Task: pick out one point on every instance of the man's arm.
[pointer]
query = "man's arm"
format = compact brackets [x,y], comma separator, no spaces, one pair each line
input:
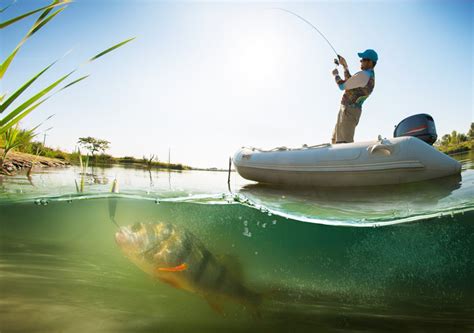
[347,74]
[343,62]
[339,81]
[360,79]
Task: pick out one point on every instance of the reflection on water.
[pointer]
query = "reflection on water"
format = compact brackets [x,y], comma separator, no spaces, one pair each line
[359,204]
[61,269]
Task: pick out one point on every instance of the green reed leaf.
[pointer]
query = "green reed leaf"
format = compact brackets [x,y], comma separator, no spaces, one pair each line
[41,23]
[111,49]
[5,127]
[33,99]
[5,8]
[18,18]
[47,11]
[74,82]
[20,90]
[37,26]
[6,63]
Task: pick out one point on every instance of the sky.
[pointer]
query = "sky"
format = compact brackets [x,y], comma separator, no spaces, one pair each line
[203,79]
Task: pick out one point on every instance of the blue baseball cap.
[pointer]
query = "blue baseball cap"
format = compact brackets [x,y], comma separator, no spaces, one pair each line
[369,54]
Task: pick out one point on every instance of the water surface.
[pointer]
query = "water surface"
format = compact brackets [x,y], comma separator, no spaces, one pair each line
[374,259]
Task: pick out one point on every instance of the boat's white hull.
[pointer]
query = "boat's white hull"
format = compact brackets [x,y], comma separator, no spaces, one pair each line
[391,161]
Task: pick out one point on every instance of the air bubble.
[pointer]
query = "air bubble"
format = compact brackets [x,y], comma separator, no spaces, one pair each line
[247,232]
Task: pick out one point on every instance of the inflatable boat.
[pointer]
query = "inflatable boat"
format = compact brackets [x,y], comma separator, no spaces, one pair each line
[407,157]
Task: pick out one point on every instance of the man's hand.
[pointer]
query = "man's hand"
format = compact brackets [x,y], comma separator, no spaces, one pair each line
[335,72]
[343,62]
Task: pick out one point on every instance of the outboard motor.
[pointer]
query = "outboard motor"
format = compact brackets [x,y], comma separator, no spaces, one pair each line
[420,126]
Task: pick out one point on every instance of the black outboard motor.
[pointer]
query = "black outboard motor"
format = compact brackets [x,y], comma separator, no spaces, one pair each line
[420,126]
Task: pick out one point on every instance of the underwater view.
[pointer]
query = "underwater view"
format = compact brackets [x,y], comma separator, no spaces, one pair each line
[184,252]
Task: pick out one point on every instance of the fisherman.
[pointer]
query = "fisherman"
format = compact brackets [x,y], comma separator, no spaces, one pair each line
[356,90]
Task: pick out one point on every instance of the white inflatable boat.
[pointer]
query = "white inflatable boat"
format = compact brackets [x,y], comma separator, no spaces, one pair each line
[397,160]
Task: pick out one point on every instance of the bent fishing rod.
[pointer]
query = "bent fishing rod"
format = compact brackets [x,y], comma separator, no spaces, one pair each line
[336,60]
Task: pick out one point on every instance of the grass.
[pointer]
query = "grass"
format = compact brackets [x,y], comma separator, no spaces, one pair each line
[455,148]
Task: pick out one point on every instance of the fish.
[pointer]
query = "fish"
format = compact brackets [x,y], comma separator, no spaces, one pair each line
[175,256]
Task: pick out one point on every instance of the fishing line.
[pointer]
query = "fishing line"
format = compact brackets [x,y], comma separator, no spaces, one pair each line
[112,219]
[312,26]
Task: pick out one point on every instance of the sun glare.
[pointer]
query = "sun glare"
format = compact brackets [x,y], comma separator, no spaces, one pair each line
[259,55]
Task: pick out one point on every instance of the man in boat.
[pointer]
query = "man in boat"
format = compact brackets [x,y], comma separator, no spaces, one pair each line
[356,88]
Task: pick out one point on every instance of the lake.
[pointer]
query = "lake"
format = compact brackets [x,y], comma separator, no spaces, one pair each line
[391,258]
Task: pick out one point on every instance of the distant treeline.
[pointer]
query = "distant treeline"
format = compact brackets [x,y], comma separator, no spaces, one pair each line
[456,142]
[135,162]
[25,144]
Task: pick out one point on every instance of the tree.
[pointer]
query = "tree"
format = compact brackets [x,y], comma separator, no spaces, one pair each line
[454,138]
[470,133]
[445,139]
[94,145]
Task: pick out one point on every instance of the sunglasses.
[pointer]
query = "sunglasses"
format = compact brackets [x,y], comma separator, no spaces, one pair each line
[364,59]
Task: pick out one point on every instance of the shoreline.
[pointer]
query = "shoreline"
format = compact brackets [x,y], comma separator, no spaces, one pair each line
[16,162]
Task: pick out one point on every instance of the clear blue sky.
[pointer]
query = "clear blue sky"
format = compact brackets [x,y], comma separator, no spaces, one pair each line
[207,78]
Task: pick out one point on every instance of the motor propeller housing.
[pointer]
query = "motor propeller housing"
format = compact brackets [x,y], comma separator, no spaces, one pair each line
[421,126]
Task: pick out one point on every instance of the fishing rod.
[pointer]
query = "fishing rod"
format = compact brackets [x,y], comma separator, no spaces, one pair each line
[336,60]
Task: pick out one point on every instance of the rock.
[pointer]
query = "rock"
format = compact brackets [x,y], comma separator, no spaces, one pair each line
[18,164]
[9,167]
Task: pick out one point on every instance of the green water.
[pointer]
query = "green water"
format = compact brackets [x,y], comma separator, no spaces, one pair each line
[371,259]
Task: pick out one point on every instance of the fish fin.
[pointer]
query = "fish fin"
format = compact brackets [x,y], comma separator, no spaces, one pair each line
[171,282]
[215,305]
[178,268]
[233,265]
